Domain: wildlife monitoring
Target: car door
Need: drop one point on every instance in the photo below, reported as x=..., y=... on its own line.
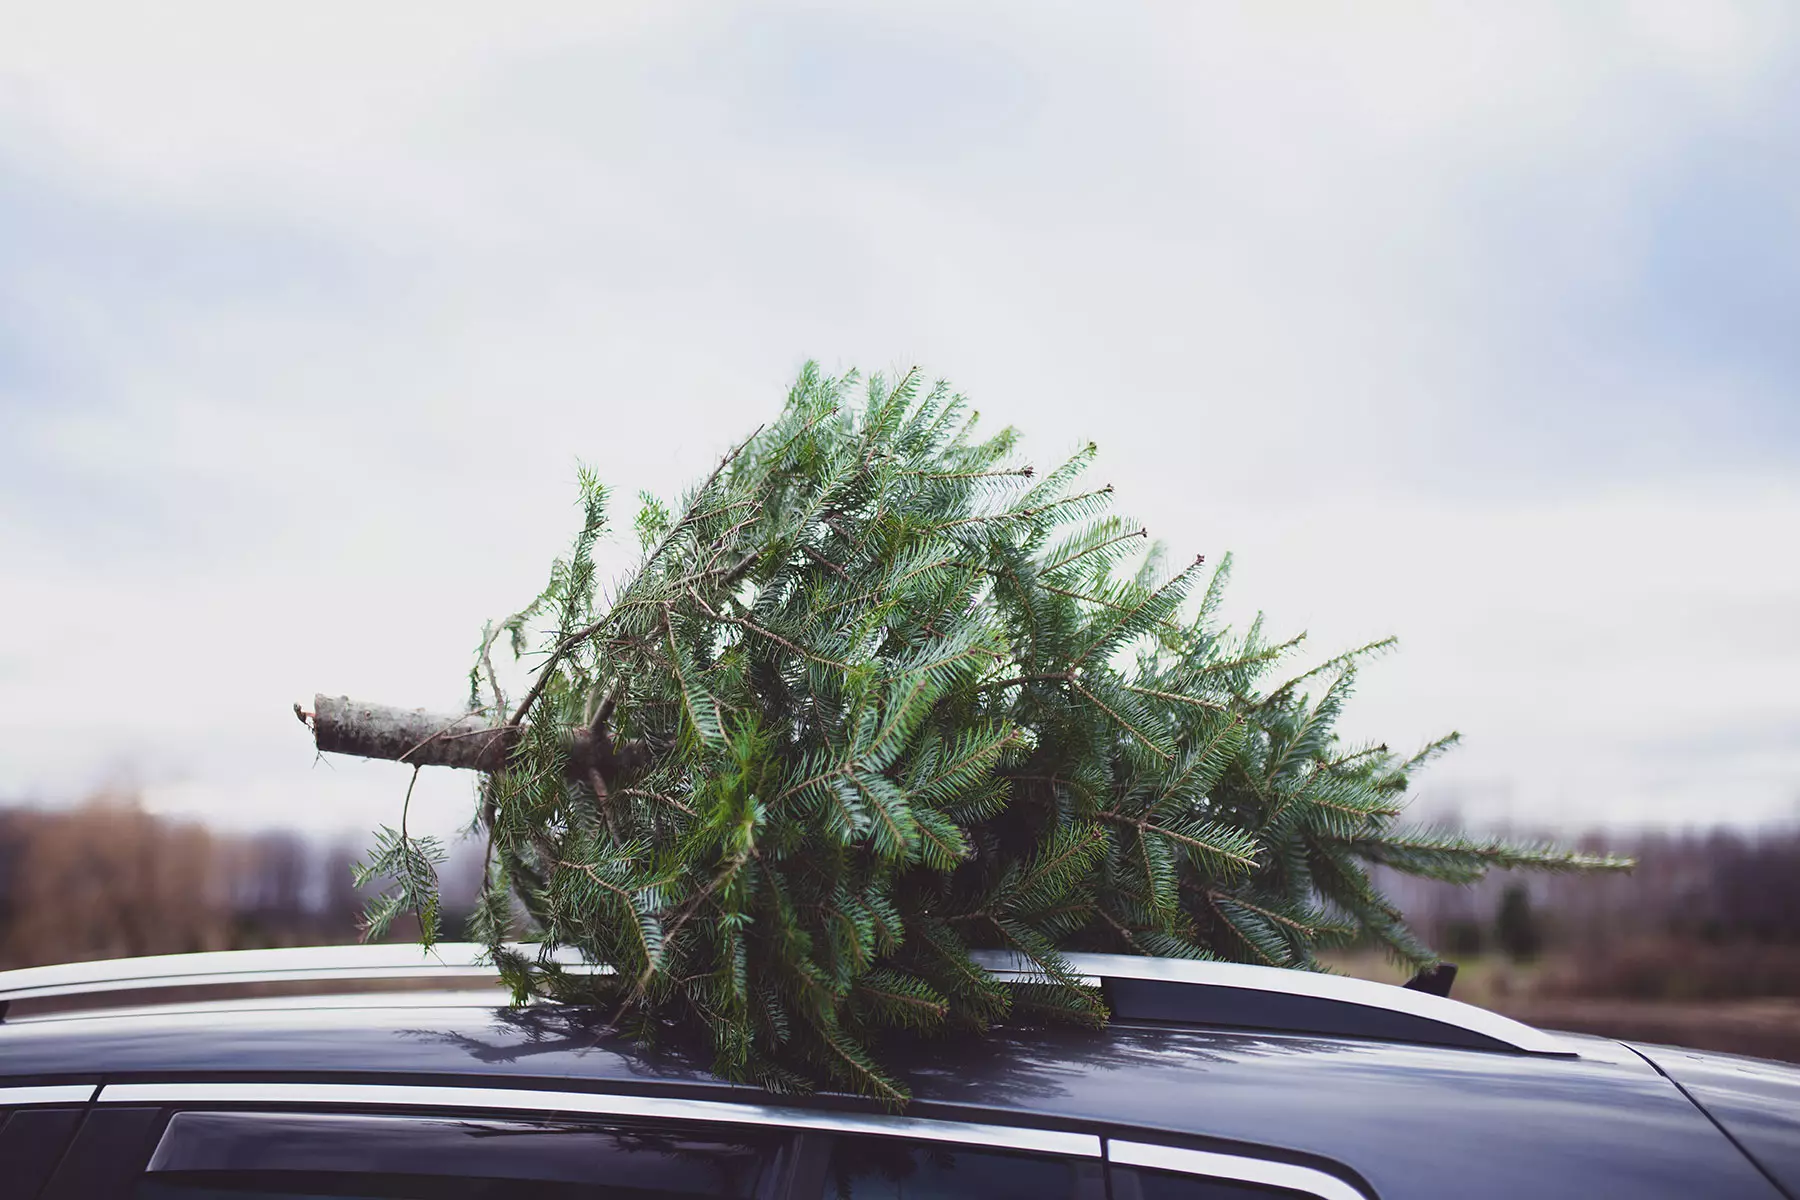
x=36, y=1124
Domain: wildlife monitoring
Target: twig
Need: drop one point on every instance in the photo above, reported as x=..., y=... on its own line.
x=1276, y=917
x=487, y=644
x=406, y=804
x=1145, y=826
x=816, y=557
x=1148, y=599
x=567, y=644
x=406, y=847
x=1022, y=514
x=1021, y=472
x=1059, y=677
x=1066, y=560
x=760, y=631
x=658, y=796
x=689, y=516
x=570, y=641
x=1171, y=626
x=1123, y=932
x=890, y=587
x=603, y=802
x=1134, y=730
x=1177, y=698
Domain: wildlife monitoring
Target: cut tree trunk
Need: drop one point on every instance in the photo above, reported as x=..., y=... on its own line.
x=427, y=739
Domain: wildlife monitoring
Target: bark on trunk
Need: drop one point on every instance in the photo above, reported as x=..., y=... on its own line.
x=410, y=735
x=341, y=725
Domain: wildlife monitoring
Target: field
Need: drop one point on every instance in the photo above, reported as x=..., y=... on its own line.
x=1541, y=994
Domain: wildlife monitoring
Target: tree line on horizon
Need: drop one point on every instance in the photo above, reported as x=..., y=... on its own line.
x=106, y=879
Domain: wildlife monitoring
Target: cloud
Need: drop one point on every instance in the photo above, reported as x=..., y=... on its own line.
x=1466, y=331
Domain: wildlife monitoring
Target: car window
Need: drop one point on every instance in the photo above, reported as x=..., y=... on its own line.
x=323, y=1185
x=1174, y=1173
x=31, y=1143
x=225, y=1156
x=1171, y=1185
x=877, y=1168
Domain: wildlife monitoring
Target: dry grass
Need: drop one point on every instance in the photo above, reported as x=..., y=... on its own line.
x=1671, y=993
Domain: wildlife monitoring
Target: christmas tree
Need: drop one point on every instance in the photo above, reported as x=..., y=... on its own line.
x=878, y=694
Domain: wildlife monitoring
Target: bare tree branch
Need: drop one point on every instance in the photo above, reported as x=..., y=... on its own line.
x=466, y=741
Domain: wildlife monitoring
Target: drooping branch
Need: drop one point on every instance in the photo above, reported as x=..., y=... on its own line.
x=467, y=741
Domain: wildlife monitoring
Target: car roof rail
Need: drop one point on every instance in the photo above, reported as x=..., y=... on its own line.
x=1169, y=990
x=445, y=963
x=1194, y=992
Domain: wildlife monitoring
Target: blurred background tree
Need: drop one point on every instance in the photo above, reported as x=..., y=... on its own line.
x=1699, y=946
x=105, y=879
x=1516, y=929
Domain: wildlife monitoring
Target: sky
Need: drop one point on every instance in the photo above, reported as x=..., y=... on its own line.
x=1471, y=326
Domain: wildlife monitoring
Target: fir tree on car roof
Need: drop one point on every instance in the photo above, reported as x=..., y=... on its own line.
x=879, y=693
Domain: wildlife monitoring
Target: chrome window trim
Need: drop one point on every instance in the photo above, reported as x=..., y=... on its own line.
x=1235, y=1167
x=53, y=1093
x=483, y=998
x=446, y=960
x=1367, y=993
x=385, y=1095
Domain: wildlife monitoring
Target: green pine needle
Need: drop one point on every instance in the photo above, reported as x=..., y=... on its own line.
x=881, y=694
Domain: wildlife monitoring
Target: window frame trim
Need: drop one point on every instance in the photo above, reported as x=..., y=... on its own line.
x=383, y=1098
x=49, y=1093
x=607, y=1104
x=1239, y=1168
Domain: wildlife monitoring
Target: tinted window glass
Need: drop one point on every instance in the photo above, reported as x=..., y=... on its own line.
x=221, y=1156
x=301, y=1185
x=890, y=1169
x=1171, y=1185
x=108, y=1152
x=31, y=1142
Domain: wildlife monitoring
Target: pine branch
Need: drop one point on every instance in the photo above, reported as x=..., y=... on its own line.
x=865, y=703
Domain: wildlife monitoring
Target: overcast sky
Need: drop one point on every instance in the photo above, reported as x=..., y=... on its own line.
x=1481, y=332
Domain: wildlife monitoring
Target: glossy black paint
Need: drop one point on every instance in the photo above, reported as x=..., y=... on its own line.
x=1756, y=1101
x=1414, y=1121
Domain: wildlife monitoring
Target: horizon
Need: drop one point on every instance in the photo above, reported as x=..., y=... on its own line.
x=1469, y=332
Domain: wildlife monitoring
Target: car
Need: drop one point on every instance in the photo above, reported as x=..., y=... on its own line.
x=1212, y=1081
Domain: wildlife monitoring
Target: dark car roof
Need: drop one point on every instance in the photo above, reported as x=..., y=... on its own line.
x=1412, y=1120
x=1756, y=1102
